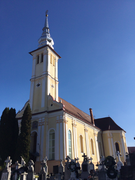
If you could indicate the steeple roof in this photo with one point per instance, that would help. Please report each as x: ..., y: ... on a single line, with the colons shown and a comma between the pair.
x: 45, y: 38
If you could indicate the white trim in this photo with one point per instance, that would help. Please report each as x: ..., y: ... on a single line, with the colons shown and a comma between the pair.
x: 57, y: 142
x: 119, y: 146
x: 123, y: 148
x: 56, y: 63
x: 87, y: 143
x: 44, y: 63
x: 71, y: 143
x: 56, y: 90
x: 38, y: 148
x: 48, y: 64
x: 61, y: 139
x: 80, y: 143
x: 65, y: 144
x: 76, y: 142
x: 83, y: 123
x: 33, y: 131
x: 93, y: 147
x: 97, y: 148
x: 42, y: 142
x: 31, y: 93
x: 68, y: 129
x: 109, y: 143
x: 33, y: 66
x: 48, y: 142
x: 43, y: 92
x: 113, y: 147
x: 48, y: 86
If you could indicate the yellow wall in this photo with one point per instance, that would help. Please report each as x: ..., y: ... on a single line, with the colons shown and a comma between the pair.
x: 113, y: 137
x: 81, y: 131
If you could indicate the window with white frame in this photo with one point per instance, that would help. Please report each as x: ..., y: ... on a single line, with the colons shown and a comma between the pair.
x: 117, y: 147
x: 69, y: 144
x: 51, y: 145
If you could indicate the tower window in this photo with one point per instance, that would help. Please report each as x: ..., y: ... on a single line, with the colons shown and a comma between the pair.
x: 37, y: 59
x: 51, y: 58
x: 53, y: 61
x: 41, y: 57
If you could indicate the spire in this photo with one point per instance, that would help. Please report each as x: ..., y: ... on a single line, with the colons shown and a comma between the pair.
x: 45, y: 38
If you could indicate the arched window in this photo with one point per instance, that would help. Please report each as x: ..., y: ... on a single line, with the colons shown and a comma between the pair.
x: 51, y: 58
x: 41, y: 57
x: 51, y: 144
x: 69, y: 144
x: 37, y: 59
x: 117, y: 147
x: 33, y: 142
x: 81, y: 143
x: 92, y: 146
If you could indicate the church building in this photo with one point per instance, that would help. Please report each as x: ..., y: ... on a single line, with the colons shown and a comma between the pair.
x: 60, y: 129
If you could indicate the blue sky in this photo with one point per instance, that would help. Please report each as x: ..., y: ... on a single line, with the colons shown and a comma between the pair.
x: 96, y: 40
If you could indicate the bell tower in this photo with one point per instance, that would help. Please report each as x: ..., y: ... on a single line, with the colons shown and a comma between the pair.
x: 44, y: 80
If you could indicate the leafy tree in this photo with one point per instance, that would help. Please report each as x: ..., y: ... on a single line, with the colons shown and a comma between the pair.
x: 13, y: 132
x: 23, y: 144
x: 8, y: 133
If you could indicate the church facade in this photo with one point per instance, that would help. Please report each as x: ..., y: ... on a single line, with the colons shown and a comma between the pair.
x: 60, y: 129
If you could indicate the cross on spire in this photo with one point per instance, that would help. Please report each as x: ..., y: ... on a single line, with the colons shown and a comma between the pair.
x: 46, y: 13
x: 45, y: 38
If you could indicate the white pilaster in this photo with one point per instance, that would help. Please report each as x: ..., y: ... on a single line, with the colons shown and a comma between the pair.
x: 48, y: 64
x: 57, y: 140
x: 31, y: 93
x: 43, y: 91
x: 38, y: 148
x: 109, y: 143
x: 67, y: 140
x: 47, y: 143
x: 61, y: 139
x: 76, y: 142
x: 48, y: 86
x: 113, y: 148
x: 56, y: 63
x: 56, y: 90
x: 97, y: 148
x: 65, y: 136
x: 44, y: 63
x: 33, y: 66
x: 87, y: 142
x: 42, y: 139
x: 123, y: 147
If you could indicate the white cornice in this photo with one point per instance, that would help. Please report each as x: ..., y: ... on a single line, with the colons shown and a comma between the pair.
x: 81, y: 122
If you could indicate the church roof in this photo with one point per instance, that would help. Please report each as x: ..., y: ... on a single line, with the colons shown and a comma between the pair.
x: 131, y: 149
x: 76, y: 112
x: 107, y: 123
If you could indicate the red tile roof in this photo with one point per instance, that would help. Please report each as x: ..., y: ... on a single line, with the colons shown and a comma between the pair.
x: 74, y: 111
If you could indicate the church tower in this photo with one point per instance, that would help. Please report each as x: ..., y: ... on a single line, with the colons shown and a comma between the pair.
x: 44, y: 80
